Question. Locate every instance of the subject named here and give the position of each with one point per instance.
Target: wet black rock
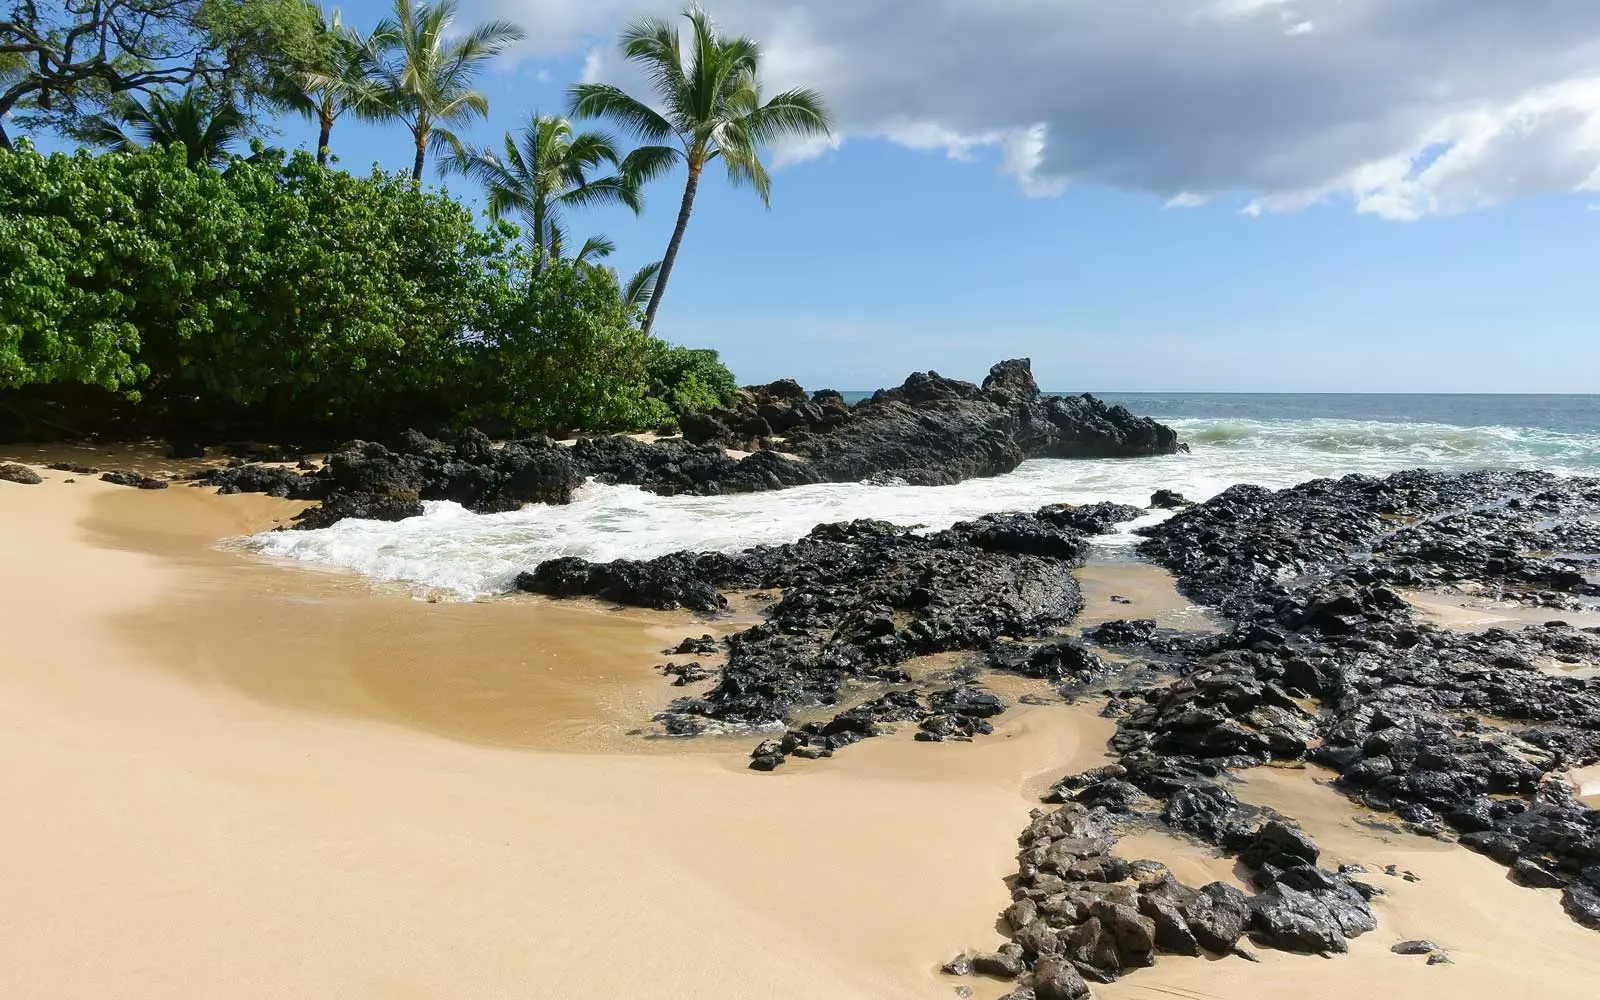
(666, 583)
(704, 645)
(684, 674)
(1169, 500)
(396, 506)
(20, 474)
(273, 480)
(859, 599)
(74, 468)
(1122, 633)
(928, 431)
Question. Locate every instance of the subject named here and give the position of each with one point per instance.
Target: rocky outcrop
(858, 600)
(1310, 573)
(929, 431)
(933, 431)
(20, 474)
(137, 480)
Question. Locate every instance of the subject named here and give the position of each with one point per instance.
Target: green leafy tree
(338, 81)
(545, 169)
(79, 57)
(198, 120)
(711, 107)
(564, 355)
(690, 379)
(425, 74)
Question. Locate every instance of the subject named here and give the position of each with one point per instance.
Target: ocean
(1273, 440)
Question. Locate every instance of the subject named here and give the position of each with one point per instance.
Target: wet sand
(230, 779)
(1474, 614)
(1131, 590)
(233, 778)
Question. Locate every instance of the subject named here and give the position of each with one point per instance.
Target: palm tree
(338, 82)
(545, 168)
(425, 77)
(710, 107)
(203, 123)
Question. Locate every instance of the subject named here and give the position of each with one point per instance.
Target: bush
(300, 300)
(563, 355)
(690, 379)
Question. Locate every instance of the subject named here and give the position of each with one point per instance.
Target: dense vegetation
(284, 294)
(190, 279)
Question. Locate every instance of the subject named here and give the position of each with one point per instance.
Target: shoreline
(227, 710)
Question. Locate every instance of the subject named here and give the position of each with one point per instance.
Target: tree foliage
(544, 169)
(310, 300)
(690, 378)
(711, 108)
(425, 72)
(77, 56)
(195, 119)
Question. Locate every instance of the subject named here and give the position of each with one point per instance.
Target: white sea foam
(456, 552)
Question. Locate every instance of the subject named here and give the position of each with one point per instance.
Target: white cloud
(1401, 108)
(593, 66)
(1186, 199)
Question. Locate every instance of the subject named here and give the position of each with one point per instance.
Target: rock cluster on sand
(931, 430)
(1463, 737)
(859, 600)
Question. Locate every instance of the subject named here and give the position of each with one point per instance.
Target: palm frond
(654, 45)
(799, 113)
(642, 285)
(595, 248)
(602, 100)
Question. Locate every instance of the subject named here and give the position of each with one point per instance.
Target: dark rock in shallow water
(667, 583)
(1122, 633)
(860, 598)
(20, 474)
(929, 431)
(366, 506)
(1169, 500)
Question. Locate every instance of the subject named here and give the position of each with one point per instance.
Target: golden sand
(226, 779)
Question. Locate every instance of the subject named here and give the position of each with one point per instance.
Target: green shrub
(563, 355)
(690, 378)
(306, 299)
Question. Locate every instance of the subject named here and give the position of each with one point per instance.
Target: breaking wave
(451, 551)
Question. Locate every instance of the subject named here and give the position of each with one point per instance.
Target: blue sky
(1356, 232)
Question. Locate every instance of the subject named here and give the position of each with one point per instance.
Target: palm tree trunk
(422, 152)
(689, 190)
(540, 250)
(5, 140)
(322, 141)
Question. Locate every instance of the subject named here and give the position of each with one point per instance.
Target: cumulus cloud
(1402, 108)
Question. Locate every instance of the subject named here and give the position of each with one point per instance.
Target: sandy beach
(234, 778)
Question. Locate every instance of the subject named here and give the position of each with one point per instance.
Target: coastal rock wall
(929, 431)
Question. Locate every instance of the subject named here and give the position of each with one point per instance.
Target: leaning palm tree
(544, 169)
(710, 107)
(425, 76)
(339, 81)
(203, 123)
